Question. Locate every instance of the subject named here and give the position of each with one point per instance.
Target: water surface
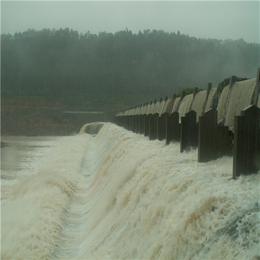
(118, 195)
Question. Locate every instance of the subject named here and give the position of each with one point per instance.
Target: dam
(220, 122)
(111, 193)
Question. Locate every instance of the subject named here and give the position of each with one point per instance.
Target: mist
(201, 19)
(104, 55)
(107, 192)
(91, 70)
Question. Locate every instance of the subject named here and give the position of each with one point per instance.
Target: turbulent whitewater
(117, 195)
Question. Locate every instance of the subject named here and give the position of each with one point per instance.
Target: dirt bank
(42, 117)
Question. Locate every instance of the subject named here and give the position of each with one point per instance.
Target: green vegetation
(123, 68)
(187, 91)
(222, 85)
(226, 82)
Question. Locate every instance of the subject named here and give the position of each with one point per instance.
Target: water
(223, 103)
(211, 98)
(240, 98)
(185, 105)
(199, 103)
(118, 195)
(176, 104)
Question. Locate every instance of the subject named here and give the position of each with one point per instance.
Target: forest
(91, 70)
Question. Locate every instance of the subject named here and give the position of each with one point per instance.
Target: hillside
(40, 116)
(123, 68)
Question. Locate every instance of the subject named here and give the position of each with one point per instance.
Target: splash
(120, 196)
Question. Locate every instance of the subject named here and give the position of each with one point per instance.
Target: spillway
(117, 195)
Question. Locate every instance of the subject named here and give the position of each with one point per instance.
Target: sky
(201, 19)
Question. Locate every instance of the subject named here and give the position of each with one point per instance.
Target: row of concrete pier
(219, 124)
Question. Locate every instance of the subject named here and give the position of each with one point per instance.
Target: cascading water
(240, 98)
(185, 105)
(199, 103)
(118, 195)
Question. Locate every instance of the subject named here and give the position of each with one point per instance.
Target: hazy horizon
(201, 19)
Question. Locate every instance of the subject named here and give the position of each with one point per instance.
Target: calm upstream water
(118, 195)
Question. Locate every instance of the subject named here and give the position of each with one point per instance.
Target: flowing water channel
(117, 195)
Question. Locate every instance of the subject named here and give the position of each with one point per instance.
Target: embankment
(43, 117)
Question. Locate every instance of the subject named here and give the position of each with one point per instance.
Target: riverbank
(41, 117)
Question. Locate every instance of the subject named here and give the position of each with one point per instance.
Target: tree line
(91, 70)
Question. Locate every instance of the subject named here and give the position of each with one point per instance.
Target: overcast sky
(201, 19)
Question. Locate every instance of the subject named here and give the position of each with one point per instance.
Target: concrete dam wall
(219, 124)
(234, 97)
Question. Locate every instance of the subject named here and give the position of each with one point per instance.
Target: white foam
(32, 212)
(120, 196)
